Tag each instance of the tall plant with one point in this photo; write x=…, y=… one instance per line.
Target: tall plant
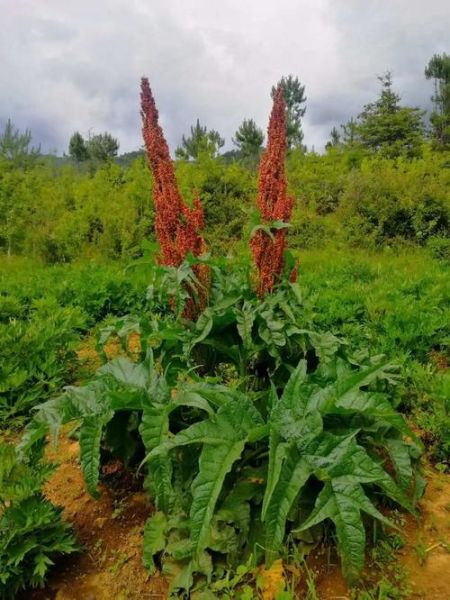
x=178, y=227
x=268, y=242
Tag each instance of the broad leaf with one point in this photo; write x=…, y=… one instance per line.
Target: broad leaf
x=154, y=538
x=342, y=501
x=90, y=439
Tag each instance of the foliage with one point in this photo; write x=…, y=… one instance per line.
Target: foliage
x=439, y=247
x=102, y=146
x=16, y=146
x=249, y=140
x=43, y=313
x=36, y=354
x=227, y=192
x=32, y=532
x=253, y=423
x=200, y=141
x=335, y=138
x=380, y=206
x=61, y=213
x=78, y=149
x=438, y=68
x=389, y=129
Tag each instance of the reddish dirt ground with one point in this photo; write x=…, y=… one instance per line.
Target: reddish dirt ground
x=425, y=556
x=427, y=551
x=110, y=530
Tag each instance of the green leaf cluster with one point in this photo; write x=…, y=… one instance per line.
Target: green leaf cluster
x=32, y=531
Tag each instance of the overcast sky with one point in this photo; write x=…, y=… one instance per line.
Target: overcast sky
x=71, y=65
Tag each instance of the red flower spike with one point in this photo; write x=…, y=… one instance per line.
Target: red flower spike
x=177, y=226
x=273, y=203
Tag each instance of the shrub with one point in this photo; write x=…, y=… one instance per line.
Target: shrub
x=308, y=231
x=32, y=532
x=387, y=200
x=36, y=355
x=439, y=247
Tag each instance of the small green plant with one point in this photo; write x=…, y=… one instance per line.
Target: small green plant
x=32, y=531
x=36, y=355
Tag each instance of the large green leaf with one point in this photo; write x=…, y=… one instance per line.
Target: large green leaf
x=347, y=384
x=342, y=501
x=293, y=475
x=154, y=538
x=223, y=438
x=291, y=421
x=399, y=453
x=245, y=317
x=215, y=463
x=127, y=372
x=90, y=439
x=340, y=456
x=154, y=429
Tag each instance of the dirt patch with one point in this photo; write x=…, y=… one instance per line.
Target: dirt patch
x=110, y=530
x=440, y=360
x=425, y=557
x=427, y=552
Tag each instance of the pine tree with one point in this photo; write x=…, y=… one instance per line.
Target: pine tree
x=249, y=139
x=335, y=138
x=15, y=146
x=77, y=147
x=389, y=129
x=438, y=69
x=200, y=141
x=102, y=147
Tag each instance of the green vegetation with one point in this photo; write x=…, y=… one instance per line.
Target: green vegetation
x=267, y=424
x=32, y=531
x=43, y=313
x=283, y=428
x=200, y=141
x=439, y=69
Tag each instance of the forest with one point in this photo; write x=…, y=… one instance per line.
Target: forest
x=225, y=373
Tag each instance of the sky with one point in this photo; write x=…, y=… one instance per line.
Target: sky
x=70, y=65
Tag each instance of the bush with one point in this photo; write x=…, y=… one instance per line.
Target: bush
x=36, y=355
x=32, y=532
x=439, y=247
x=387, y=201
x=308, y=231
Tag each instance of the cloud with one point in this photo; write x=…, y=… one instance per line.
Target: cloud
x=76, y=66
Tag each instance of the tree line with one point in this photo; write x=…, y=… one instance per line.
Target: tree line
x=363, y=190
x=383, y=126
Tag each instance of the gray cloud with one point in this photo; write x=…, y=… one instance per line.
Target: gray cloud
x=68, y=65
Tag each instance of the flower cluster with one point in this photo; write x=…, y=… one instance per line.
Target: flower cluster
x=177, y=226
x=273, y=202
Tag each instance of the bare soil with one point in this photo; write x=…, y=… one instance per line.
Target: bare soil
x=110, y=530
